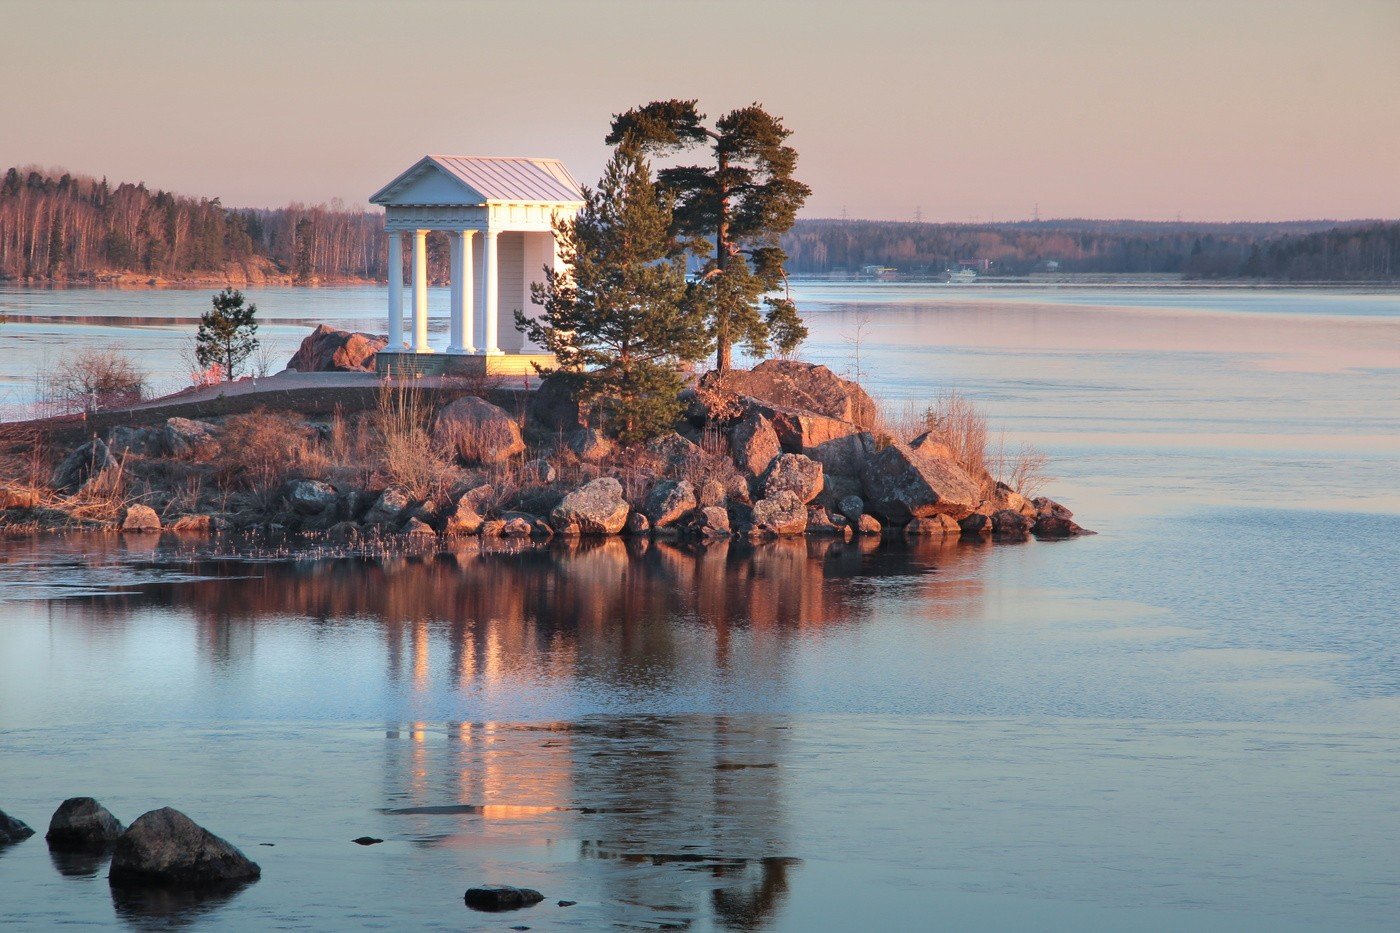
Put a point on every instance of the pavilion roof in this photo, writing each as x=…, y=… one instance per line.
x=495, y=178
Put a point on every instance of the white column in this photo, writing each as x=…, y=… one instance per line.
x=463, y=294
x=420, y=292
x=454, y=285
x=395, y=290
x=490, y=312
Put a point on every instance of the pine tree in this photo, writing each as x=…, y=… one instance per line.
x=730, y=214
x=617, y=316
x=227, y=333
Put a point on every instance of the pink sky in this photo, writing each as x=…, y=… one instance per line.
x=1229, y=109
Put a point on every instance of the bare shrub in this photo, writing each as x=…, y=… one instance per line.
x=89, y=380
x=1026, y=470
x=953, y=419
x=407, y=455
x=261, y=449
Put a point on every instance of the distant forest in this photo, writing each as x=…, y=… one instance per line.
x=58, y=227
x=1299, y=251
x=74, y=228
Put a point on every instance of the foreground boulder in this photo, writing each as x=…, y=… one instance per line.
x=802, y=386
x=12, y=830
x=141, y=519
x=469, y=514
x=82, y=823
x=901, y=484
x=794, y=473
x=329, y=350
x=82, y=464
x=165, y=847
x=590, y=445
x=596, y=508
x=668, y=502
x=493, y=897
x=481, y=433
x=782, y=514
x=753, y=443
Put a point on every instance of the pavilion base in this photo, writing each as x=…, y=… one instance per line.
x=407, y=363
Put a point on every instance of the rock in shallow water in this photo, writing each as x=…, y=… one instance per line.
x=12, y=830
x=165, y=847
x=81, y=823
x=492, y=897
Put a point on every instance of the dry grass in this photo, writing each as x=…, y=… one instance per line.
x=404, y=451
x=953, y=419
x=1026, y=470
x=261, y=449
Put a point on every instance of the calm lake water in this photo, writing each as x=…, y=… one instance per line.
x=1190, y=721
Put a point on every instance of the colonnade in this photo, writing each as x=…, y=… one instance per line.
x=467, y=293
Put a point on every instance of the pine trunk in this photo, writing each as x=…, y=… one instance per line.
x=723, y=346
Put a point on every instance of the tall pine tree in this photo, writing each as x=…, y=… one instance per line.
x=227, y=333
x=730, y=213
x=616, y=316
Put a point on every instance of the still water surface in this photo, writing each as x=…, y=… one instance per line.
x=1186, y=722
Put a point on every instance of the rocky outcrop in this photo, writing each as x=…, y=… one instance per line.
x=12, y=830
x=81, y=465
x=900, y=485
x=753, y=443
x=782, y=514
x=497, y=897
x=165, y=847
x=668, y=502
x=328, y=350
x=801, y=386
x=82, y=823
x=596, y=508
x=794, y=473
x=480, y=433
x=842, y=447
x=140, y=519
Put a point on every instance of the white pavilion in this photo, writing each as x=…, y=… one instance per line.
x=498, y=214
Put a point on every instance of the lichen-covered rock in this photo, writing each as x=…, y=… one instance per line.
x=329, y=350
x=868, y=525
x=480, y=433
x=933, y=526
x=189, y=439
x=468, y=514
x=553, y=408
x=12, y=830
x=590, y=445
x=753, y=443
x=709, y=521
x=417, y=528
x=165, y=847
x=81, y=465
x=538, y=471
x=853, y=507
x=596, y=508
x=781, y=514
x=794, y=473
x=842, y=447
x=388, y=508
x=676, y=453
x=310, y=496
x=82, y=823
x=932, y=446
x=140, y=519
x=820, y=522
x=142, y=442
x=711, y=493
x=901, y=485
x=668, y=502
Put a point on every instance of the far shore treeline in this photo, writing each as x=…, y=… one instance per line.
x=57, y=227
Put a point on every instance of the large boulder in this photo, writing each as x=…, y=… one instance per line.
x=781, y=514
x=932, y=446
x=842, y=447
x=590, y=445
x=140, y=519
x=753, y=443
x=329, y=350
x=676, y=453
x=479, y=431
x=142, y=442
x=1057, y=526
x=388, y=508
x=595, y=508
x=82, y=823
x=802, y=386
x=165, y=847
x=1010, y=523
x=709, y=521
x=933, y=525
x=469, y=514
x=900, y=485
x=794, y=473
x=554, y=409
x=12, y=830
x=310, y=496
x=82, y=464
x=184, y=437
x=668, y=502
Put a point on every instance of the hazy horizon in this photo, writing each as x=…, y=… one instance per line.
x=1241, y=111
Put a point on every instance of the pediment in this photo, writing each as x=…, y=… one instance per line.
x=428, y=184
